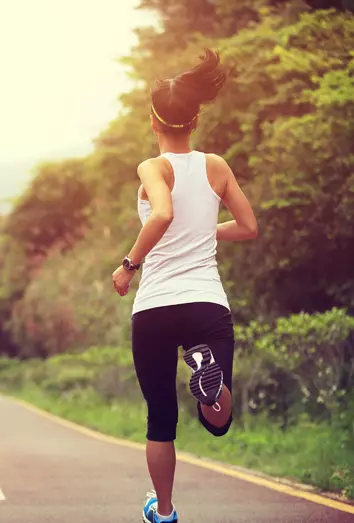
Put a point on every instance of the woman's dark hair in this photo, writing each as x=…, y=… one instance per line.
x=177, y=101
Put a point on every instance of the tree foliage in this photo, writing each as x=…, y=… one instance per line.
x=283, y=121
x=52, y=209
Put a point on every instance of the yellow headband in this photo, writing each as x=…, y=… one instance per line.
x=176, y=126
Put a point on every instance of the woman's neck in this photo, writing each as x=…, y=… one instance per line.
x=174, y=144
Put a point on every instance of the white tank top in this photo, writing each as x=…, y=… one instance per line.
x=182, y=267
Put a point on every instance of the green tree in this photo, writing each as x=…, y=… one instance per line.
x=52, y=209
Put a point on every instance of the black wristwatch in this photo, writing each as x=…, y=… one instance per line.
x=129, y=265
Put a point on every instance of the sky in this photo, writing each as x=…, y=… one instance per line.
x=60, y=79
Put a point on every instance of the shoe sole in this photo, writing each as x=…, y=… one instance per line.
x=206, y=382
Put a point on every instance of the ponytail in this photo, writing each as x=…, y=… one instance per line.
x=176, y=102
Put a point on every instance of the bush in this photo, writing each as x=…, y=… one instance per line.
x=10, y=374
x=300, y=360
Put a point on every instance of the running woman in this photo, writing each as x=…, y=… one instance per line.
x=181, y=300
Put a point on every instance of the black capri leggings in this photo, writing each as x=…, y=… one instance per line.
x=156, y=335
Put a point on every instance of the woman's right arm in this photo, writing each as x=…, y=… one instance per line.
x=244, y=226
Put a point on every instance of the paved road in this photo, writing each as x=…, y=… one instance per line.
x=50, y=473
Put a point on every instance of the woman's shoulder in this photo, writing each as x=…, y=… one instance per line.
x=157, y=163
x=154, y=160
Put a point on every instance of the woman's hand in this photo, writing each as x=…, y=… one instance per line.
x=121, y=280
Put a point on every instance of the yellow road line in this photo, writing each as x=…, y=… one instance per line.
x=256, y=480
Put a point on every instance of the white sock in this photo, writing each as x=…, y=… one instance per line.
x=165, y=518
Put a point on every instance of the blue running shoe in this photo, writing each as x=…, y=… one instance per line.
x=207, y=380
x=150, y=511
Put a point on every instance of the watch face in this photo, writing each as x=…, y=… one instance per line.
x=126, y=263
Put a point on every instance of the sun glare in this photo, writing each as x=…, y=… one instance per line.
x=59, y=78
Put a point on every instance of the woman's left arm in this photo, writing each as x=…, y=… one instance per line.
x=159, y=194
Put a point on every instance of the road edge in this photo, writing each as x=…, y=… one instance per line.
x=285, y=486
